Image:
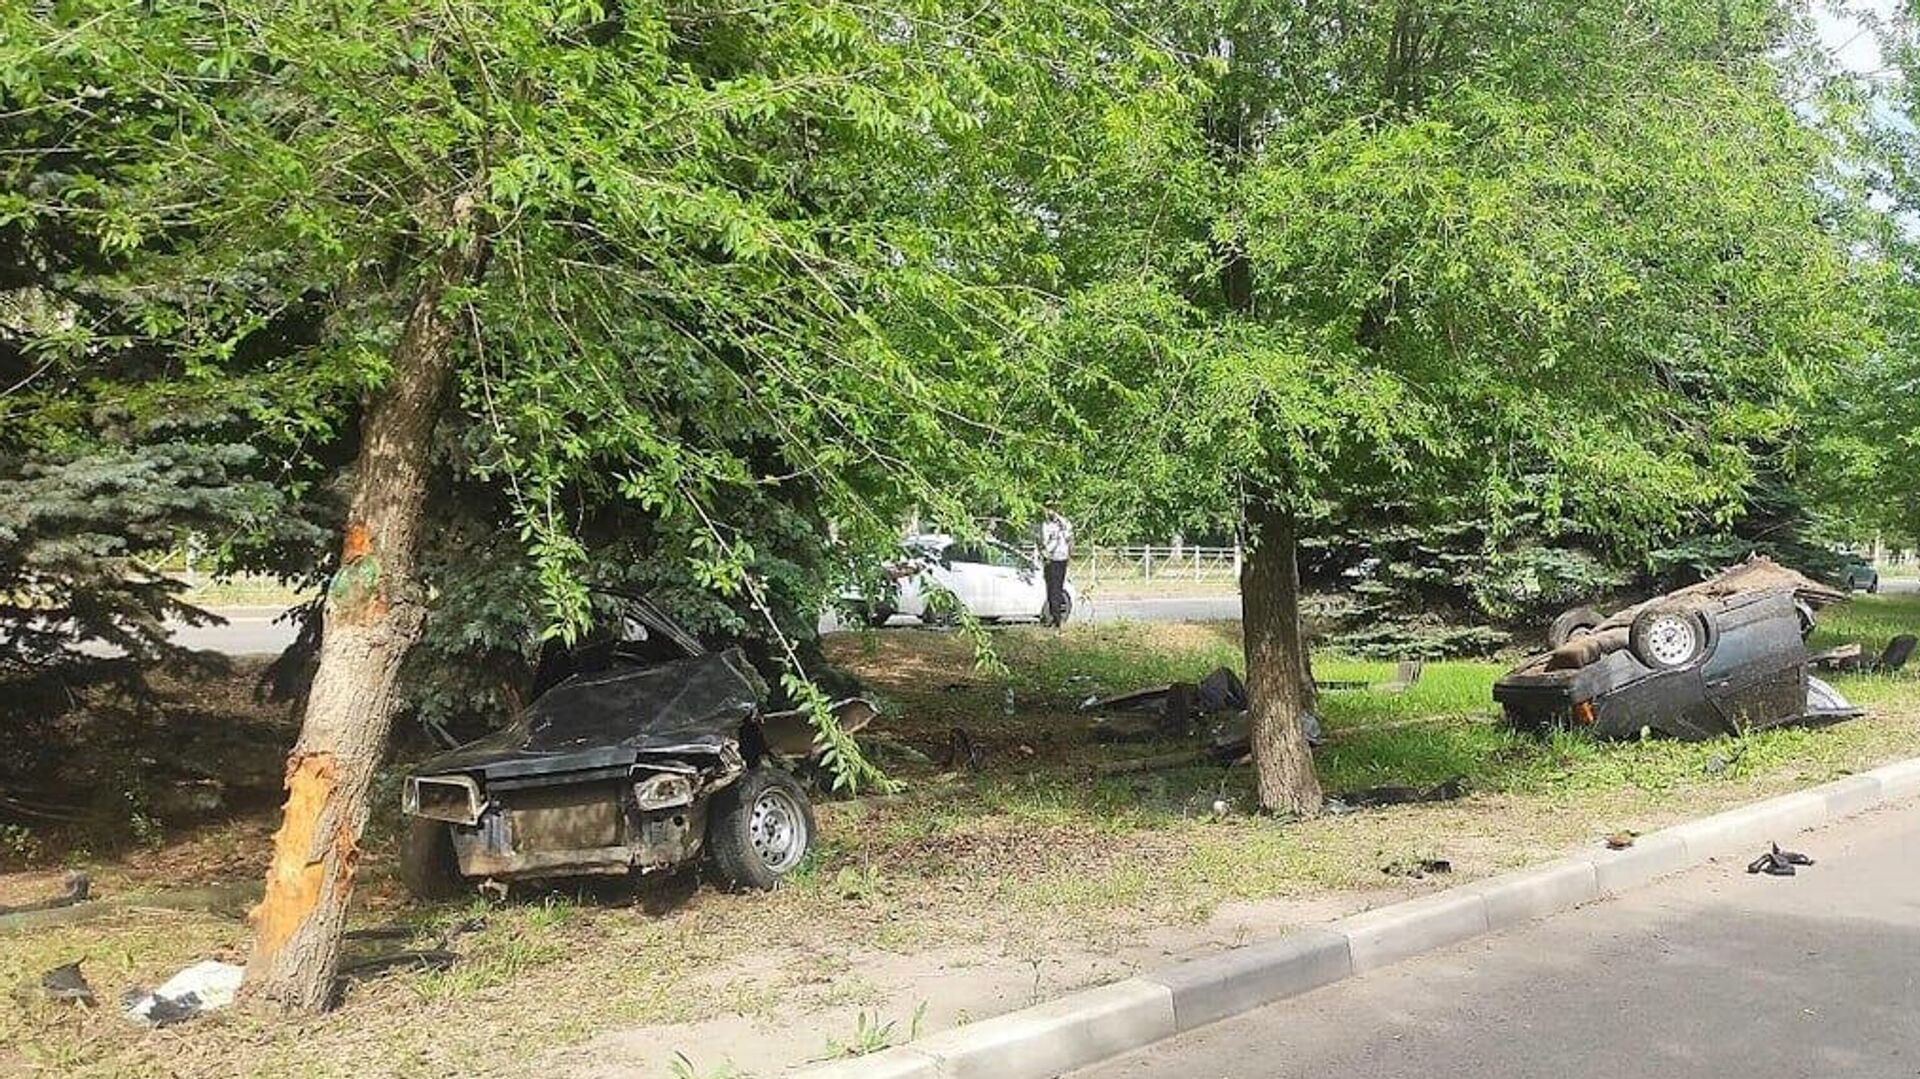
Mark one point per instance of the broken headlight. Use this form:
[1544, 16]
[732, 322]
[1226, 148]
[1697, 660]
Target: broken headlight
[663, 791]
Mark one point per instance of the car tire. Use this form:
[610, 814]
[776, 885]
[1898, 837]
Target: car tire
[428, 867]
[1572, 623]
[759, 830]
[876, 615]
[1873, 587]
[1668, 638]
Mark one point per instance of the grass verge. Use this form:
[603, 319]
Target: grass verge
[1036, 855]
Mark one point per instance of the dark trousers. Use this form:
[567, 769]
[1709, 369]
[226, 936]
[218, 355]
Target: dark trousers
[1056, 575]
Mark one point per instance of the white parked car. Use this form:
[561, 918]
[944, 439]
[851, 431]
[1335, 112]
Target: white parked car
[993, 580]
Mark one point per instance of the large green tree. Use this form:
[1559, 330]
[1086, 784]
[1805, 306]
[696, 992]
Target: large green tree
[1566, 262]
[670, 255]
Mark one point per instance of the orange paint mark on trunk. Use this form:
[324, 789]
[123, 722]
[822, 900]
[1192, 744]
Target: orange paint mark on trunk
[298, 870]
[359, 542]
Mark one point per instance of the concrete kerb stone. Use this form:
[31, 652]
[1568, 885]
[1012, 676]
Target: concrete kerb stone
[1056, 1036]
[1650, 857]
[1386, 935]
[1738, 829]
[1095, 1024]
[1897, 781]
[1854, 794]
[1210, 989]
[1532, 893]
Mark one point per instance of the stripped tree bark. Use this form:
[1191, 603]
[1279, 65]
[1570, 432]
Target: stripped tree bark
[373, 614]
[1279, 682]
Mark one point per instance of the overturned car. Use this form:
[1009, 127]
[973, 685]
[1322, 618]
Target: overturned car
[1719, 657]
[629, 763]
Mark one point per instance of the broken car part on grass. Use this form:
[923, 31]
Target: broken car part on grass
[628, 762]
[79, 888]
[1716, 658]
[1171, 711]
[206, 986]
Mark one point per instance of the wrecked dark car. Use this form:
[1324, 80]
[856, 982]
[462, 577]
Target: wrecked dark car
[1720, 657]
[651, 752]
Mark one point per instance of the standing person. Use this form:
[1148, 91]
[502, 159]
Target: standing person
[1056, 546]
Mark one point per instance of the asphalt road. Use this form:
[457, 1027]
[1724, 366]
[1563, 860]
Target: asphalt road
[254, 630]
[1711, 974]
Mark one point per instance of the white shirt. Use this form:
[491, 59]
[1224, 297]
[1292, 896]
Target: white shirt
[1056, 538]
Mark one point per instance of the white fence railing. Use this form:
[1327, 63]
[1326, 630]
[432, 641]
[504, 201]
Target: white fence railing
[1185, 562]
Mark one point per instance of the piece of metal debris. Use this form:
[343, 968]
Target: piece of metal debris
[66, 983]
[206, 986]
[1777, 862]
[78, 886]
[1417, 868]
[1372, 797]
[415, 958]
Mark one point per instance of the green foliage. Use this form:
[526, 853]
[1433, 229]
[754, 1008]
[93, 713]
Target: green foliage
[80, 526]
[744, 269]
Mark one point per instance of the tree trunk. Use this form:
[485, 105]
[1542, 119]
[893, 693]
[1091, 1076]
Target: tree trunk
[373, 614]
[1279, 685]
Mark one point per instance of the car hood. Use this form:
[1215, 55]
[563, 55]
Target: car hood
[691, 705]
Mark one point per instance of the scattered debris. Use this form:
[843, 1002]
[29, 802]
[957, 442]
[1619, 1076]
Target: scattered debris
[1405, 674]
[962, 752]
[1372, 797]
[206, 986]
[1178, 704]
[1718, 764]
[1233, 734]
[79, 890]
[66, 983]
[1418, 869]
[1621, 840]
[1125, 728]
[380, 932]
[1152, 764]
[1777, 862]
[1849, 657]
[415, 958]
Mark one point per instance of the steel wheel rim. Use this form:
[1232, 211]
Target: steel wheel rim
[777, 829]
[1671, 640]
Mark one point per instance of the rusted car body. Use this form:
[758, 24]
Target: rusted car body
[628, 765]
[1719, 657]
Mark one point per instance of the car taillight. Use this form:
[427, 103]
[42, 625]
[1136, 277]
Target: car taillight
[1583, 714]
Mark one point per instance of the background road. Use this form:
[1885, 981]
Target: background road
[1712, 974]
[254, 630]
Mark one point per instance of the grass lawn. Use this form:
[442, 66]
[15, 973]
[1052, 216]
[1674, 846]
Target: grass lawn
[971, 892]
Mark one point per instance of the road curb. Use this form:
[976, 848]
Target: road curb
[1095, 1024]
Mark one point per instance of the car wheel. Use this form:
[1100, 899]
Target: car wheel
[427, 864]
[759, 829]
[1873, 587]
[1573, 622]
[878, 614]
[1668, 638]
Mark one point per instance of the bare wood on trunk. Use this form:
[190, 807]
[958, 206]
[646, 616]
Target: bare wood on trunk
[373, 614]
[1279, 685]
